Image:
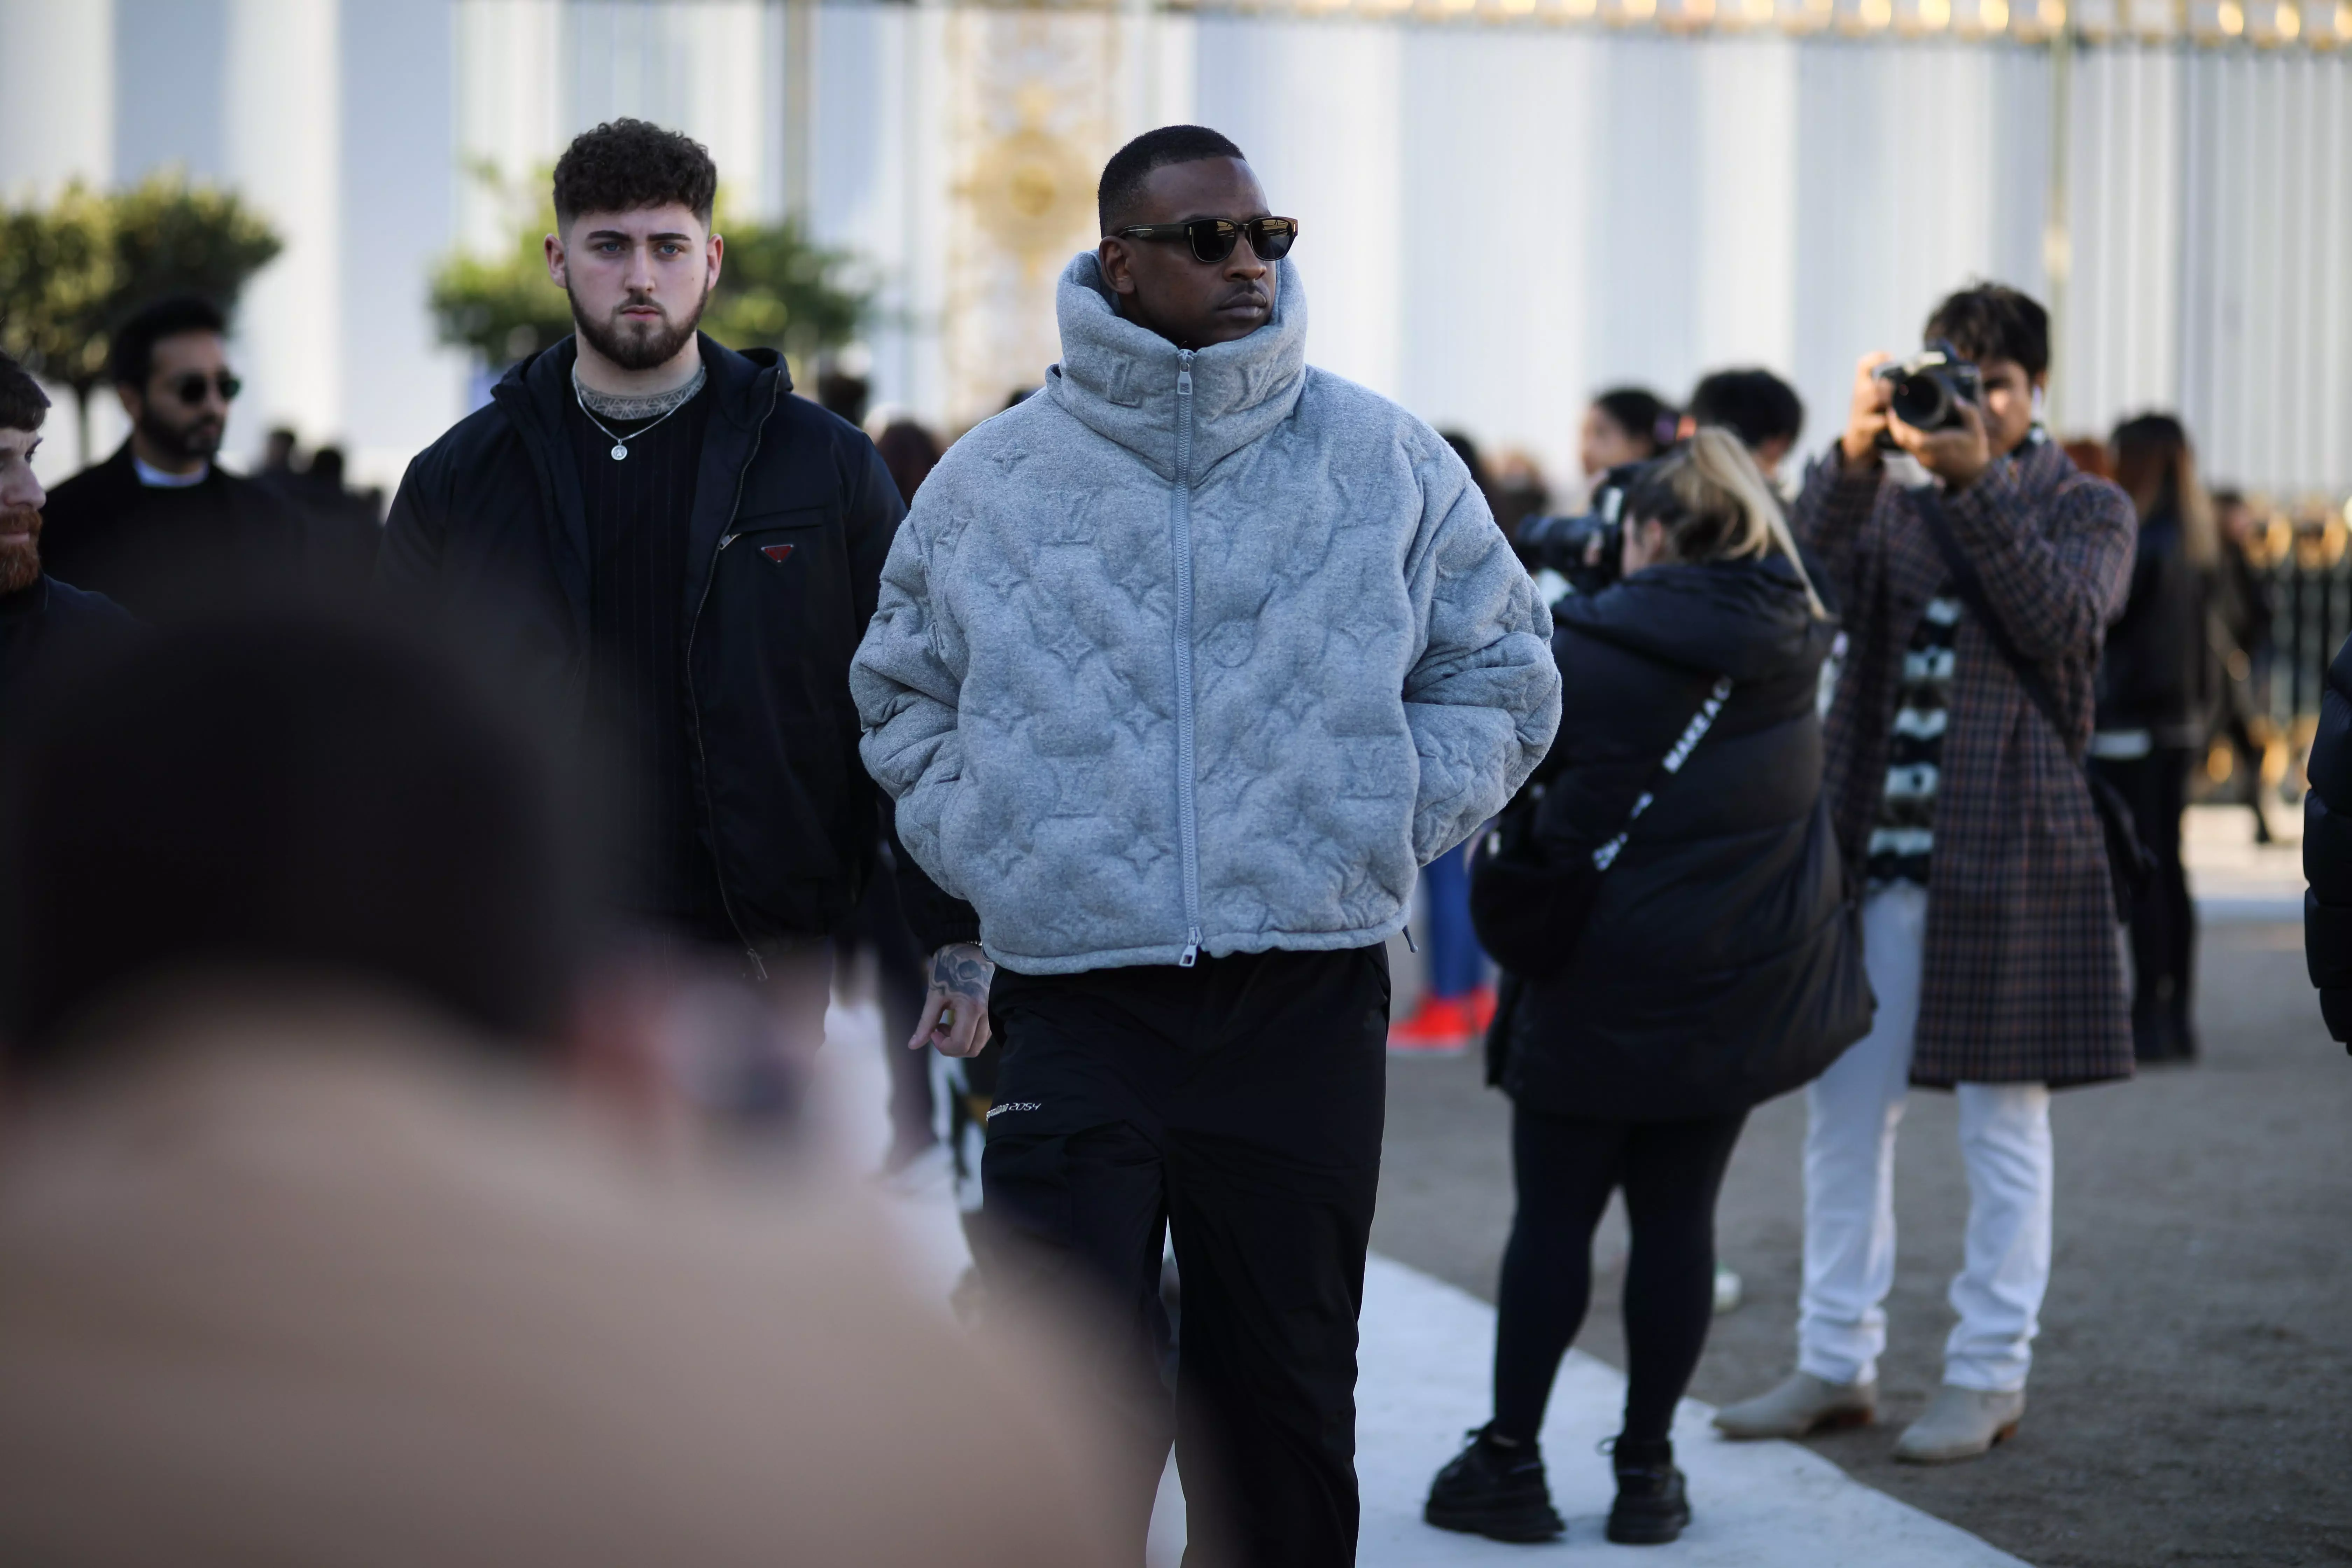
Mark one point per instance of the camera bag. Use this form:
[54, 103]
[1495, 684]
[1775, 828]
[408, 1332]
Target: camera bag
[2130, 864]
[1528, 901]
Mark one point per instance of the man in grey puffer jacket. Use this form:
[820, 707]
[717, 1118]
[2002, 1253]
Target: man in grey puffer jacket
[1181, 672]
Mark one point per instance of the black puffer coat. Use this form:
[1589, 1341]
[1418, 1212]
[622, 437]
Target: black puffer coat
[1720, 967]
[2327, 850]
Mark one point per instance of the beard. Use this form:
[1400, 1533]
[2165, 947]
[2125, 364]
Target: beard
[20, 560]
[200, 437]
[635, 347]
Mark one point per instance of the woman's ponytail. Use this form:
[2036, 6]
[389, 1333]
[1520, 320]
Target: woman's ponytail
[1714, 504]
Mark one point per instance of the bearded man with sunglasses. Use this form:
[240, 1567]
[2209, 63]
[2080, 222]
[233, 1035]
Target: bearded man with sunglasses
[160, 527]
[1182, 669]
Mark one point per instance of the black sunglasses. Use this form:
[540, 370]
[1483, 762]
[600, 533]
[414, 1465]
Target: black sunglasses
[190, 388]
[1212, 238]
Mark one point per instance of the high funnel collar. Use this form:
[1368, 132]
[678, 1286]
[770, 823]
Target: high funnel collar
[1119, 379]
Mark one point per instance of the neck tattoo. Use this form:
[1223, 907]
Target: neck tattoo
[657, 408]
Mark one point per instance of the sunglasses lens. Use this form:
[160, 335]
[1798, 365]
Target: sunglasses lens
[190, 389]
[1271, 237]
[1212, 238]
[230, 387]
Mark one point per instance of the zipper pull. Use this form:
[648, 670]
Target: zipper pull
[1192, 949]
[1409, 946]
[728, 540]
[1184, 372]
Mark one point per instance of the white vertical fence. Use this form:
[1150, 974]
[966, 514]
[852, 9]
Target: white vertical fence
[1500, 218]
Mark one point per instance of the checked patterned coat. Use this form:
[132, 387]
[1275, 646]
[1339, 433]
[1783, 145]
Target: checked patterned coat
[2023, 979]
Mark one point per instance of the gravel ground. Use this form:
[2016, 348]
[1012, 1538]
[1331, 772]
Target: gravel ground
[2193, 1391]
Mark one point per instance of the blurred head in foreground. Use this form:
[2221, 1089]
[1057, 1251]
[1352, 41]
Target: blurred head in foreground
[275, 804]
[299, 1249]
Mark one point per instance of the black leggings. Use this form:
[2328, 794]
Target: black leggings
[1565, 1169]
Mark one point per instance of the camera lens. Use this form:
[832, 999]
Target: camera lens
[1921, 400]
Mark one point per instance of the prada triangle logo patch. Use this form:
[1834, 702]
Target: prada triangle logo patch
[775, 552]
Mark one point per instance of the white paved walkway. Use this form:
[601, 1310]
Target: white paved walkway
[1425, 1368]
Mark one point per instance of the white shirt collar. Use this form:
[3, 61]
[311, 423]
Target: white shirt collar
[156, 479]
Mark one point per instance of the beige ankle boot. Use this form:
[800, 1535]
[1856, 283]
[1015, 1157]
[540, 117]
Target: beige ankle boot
[1800, 1405]
[1959, 1424]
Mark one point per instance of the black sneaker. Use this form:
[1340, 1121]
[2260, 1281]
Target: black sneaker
[1651, 1507]
[1495, 1491]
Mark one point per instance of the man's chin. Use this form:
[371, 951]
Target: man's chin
[634, 346]
[20, 565]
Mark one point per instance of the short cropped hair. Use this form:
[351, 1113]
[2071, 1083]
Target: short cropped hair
[1640, 413]
[343, 802]
[627, 165]
[22, 404]
[1993, 321]
[1756, 404]
[1123, 177]
[131, 356]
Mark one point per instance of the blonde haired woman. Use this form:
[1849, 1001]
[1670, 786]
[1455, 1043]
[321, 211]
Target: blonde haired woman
[1718, 966]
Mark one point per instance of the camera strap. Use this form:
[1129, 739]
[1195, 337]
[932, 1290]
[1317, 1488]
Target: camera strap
[1970, 588]
[2130, 863]
[1668, 766]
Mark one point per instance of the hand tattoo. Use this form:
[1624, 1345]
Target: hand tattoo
[963, 972]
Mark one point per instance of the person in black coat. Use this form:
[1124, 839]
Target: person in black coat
[676, 557]
[43, 621]
[2157, 680]
[1719, 964]
[2327, 850]
[161, 527]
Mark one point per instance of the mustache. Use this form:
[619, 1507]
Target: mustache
[21, 519]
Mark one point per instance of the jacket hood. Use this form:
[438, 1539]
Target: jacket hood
[1748, 619]
[1120, 380]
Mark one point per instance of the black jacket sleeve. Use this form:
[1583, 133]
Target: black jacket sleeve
[408, 563]
[2328, 851]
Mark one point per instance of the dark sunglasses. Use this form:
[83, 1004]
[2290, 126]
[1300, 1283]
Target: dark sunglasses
[1212, 238]
[190, 388]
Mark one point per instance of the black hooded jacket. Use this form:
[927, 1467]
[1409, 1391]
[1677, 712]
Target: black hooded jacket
[794, 513]
[1718, 937]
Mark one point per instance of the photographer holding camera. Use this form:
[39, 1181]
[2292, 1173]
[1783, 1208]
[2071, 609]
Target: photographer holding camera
[1667, 899]
[1975, 595]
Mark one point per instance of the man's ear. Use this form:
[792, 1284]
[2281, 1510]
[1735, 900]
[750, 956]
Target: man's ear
[554, 249]
[1116, 270]
[714, 251]
[132, 399]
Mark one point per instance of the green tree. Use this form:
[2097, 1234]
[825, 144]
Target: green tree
[776, 290]
[73, 272]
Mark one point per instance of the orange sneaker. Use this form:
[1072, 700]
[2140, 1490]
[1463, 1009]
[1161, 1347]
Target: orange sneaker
[1482, 1009]
[1441, 1026]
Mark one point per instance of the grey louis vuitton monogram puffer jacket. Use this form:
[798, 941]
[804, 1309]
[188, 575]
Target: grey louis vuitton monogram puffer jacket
[1197, 652]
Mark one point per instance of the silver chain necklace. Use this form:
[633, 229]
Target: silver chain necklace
[621, 444]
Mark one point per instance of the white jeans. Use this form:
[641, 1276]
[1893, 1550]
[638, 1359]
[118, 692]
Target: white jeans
[1851, 1112]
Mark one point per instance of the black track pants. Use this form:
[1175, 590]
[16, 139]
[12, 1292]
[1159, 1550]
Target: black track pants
[1564, 1169]
[1237, 1106]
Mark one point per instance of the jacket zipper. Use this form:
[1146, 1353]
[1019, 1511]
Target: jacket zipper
[693, 701]
[1187, 824]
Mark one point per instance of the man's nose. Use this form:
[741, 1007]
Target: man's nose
[1244, 262]
[640, 269]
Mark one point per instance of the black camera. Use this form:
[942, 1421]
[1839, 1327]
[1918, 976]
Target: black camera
[1928, 388]
[1566, 544]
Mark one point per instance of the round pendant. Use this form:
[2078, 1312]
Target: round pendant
[619, 451]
